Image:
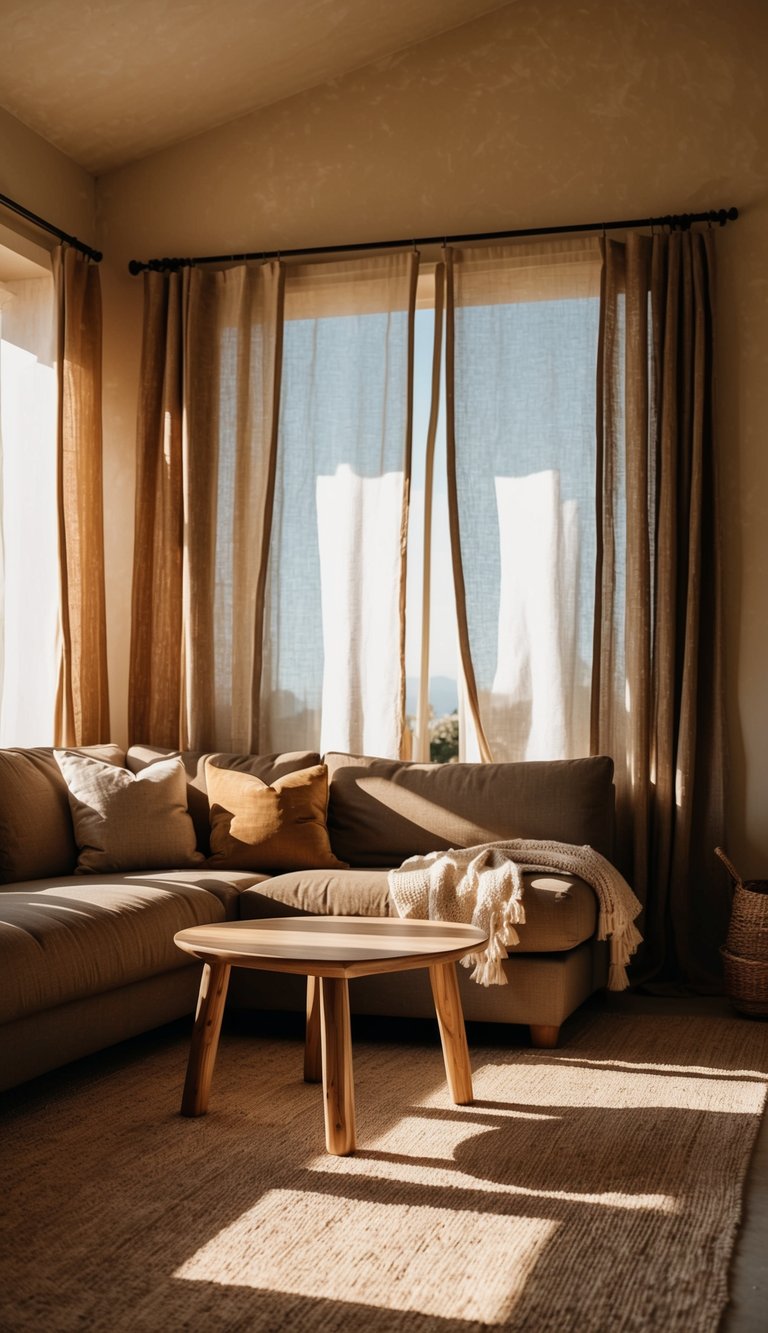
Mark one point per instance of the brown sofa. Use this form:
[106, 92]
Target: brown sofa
[88, 960]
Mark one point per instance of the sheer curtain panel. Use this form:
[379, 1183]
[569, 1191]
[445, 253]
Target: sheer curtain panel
[521, 341]
[334, 641]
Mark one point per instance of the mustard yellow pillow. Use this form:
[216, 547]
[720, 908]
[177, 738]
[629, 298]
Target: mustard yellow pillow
[255, 826]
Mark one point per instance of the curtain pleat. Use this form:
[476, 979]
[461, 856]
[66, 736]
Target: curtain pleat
[658, 672]
[205, 481]
[469, 682]
[82, 705]
[232, 374]
[155, 682]
[422, 745]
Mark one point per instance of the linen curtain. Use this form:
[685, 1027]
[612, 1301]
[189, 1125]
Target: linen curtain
[272, 487]
[155, 677]
[205, 476]
[82, 704]
[657, 689]
[334, 674]
[587, 561]
[521, 333]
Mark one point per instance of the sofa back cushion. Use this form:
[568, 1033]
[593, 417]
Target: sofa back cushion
[129, 821]
[276, 826]
[268, 767]
[381, 811]
[36, 835]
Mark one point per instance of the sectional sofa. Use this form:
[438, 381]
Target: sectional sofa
[89, 959]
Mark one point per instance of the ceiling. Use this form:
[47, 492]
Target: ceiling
[114, 80]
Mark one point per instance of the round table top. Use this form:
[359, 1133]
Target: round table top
[333, 945]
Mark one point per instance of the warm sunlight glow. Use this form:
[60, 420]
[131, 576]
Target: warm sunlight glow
[385, 1161]
[625, 1088]
[356, 1250]
[703, 1071]
[167, 438]
[29, 562]
[362, 610]
[416, 808]
[538, 631]
[463, 1213]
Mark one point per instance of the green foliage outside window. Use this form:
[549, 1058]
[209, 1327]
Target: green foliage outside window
[444, 739]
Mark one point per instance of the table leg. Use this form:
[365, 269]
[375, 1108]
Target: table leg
[205, 1038]
[338, 1081]
[313, 1054]
[450, 1018]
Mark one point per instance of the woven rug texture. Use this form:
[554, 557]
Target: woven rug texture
[594, 1188]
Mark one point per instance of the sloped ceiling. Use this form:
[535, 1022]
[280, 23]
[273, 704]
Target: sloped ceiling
[109, 82]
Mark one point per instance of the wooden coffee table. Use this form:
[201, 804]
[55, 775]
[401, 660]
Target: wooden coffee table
[328, 951]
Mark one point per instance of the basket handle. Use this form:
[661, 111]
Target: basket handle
[730, 867]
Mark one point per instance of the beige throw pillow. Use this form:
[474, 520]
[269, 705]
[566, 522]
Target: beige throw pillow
[255, 826]
[126, 821]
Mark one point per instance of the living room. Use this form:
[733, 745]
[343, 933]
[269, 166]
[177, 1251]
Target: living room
[466, 119]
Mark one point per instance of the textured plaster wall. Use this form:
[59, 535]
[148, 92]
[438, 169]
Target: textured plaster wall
[44, 181]
[544, 112]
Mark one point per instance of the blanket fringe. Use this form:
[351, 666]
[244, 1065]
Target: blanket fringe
[488, 965]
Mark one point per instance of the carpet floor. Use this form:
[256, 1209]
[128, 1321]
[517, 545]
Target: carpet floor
[593, 1188]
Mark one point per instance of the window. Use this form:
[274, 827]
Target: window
[29, 592]
[525, 324]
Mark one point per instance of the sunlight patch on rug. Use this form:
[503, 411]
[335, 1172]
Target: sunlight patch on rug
[561, 1084]
[690, 1070]
[383, 1158]
[397, 1257]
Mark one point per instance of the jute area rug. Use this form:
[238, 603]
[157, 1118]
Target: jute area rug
[593, 1188]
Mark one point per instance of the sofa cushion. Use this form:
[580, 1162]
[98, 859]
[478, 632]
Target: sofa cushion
[268, 767]
[381, 811]
[66, 938]
[560, 910]
[129, 821]
[356, 892]
[36, 834]
[269, 826]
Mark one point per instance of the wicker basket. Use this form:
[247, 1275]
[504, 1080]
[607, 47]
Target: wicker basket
[745, 955]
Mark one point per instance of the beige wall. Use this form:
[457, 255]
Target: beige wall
[544, 112]
[44, 181]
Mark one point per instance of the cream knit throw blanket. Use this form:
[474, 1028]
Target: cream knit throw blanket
[484, 886]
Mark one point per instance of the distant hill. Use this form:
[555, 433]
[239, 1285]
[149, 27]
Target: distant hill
[443, 695]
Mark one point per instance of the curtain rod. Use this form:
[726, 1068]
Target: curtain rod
[27, 213]
[680, 221]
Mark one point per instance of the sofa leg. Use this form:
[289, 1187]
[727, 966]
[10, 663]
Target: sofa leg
[544, 1036]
